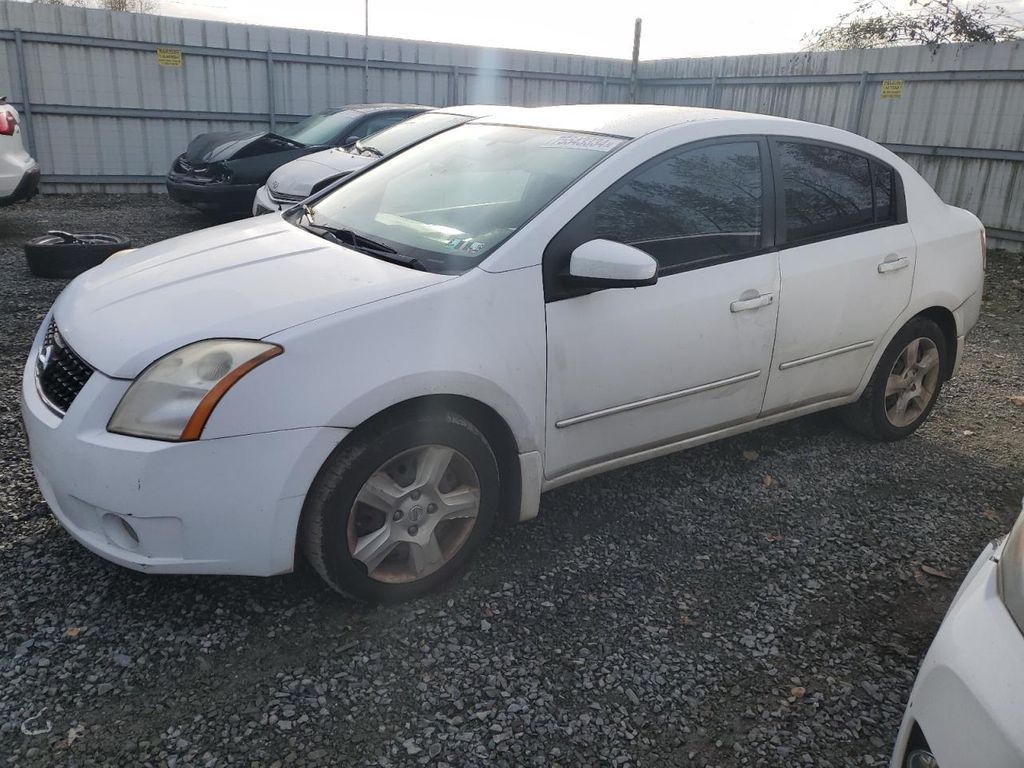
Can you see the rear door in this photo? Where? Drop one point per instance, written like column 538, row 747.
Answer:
column 847, row 263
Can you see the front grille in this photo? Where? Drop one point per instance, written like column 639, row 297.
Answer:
column 60, row 373
column 284, row 197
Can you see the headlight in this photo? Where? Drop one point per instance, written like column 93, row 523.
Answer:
column 173, row 398
column 1011, row 572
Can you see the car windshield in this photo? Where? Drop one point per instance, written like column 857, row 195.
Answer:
column 451, row 200
column 409, row 132
column 321, row 128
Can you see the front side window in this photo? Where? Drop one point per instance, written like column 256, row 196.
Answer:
column 825, row 190
column 690, row 208
column 452, row 199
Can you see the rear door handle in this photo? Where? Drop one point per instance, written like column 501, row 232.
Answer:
column 751, row 300
column 892, row 263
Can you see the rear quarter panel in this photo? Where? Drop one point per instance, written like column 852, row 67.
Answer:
column 949, row 269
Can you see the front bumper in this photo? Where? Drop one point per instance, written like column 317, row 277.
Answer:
column 226, row 505
column 205, row 195
column 26, row 188
column 967, row 699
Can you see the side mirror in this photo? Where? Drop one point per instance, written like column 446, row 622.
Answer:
column 607, row 264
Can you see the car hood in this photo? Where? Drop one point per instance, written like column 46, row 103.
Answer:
column 247, row 279
column 299, row 176
column 234, row 145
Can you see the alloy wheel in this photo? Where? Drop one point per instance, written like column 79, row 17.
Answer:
column 414, row 513
column 912, row 383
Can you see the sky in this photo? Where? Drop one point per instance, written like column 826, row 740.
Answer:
column 671, row 28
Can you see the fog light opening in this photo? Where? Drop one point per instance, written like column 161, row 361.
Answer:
column 120, row 532
column 922, row 758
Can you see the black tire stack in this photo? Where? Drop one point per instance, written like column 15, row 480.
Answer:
column 65, row 255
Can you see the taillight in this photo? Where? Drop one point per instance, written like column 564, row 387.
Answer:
column 8, row 123
column 984, row 250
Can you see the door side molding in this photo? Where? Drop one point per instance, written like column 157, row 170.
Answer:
column 825, row 355
column 573, row 420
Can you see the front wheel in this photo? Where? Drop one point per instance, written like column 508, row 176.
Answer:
column 905, row 385
column 395, row 514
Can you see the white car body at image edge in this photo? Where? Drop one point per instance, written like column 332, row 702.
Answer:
column 295, row 181
column 966, row 708
column 19, row 173
column 462, row 318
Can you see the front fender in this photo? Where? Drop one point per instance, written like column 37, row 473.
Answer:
column 480, row 336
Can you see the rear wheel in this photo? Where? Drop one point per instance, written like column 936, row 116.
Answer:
column 905, row 385
column 395, row 514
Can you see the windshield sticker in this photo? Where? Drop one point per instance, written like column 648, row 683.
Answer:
column 464, row 244
column 583, row 141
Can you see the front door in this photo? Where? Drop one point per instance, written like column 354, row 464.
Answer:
column 633, row 368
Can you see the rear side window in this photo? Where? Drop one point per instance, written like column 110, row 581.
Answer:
column 827, row 191
column 688, row 208
column 885, row 193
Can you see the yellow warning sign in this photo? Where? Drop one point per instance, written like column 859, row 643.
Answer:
column 171, row 57
column 892, row 89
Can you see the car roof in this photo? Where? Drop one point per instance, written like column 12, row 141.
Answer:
column 482, row 110
column 368, row 108
column 627, row 120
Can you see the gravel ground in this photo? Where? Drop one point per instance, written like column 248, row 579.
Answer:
column 713, row 608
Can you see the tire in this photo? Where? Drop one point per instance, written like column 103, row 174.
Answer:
column 875, row 414
column 63, row 255
column 336, row 522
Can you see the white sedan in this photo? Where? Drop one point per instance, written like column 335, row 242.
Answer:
column 967, row 706
column 379, row 377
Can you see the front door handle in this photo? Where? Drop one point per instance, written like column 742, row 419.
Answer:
column 892, row 263
column 751, row 299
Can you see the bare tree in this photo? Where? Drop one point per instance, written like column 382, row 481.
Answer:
column 873, row 24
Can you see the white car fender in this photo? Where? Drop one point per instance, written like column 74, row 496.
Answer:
column 434, row 356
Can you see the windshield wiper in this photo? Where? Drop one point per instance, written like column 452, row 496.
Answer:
column 350, row 238
column 370, row 150
column 363, row 244
column 370, row 247
column 353, row 239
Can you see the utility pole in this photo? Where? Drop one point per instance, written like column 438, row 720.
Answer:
column 634, row 90
column 366, row 52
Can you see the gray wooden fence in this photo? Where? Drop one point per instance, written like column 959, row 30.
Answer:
column 108, row 99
